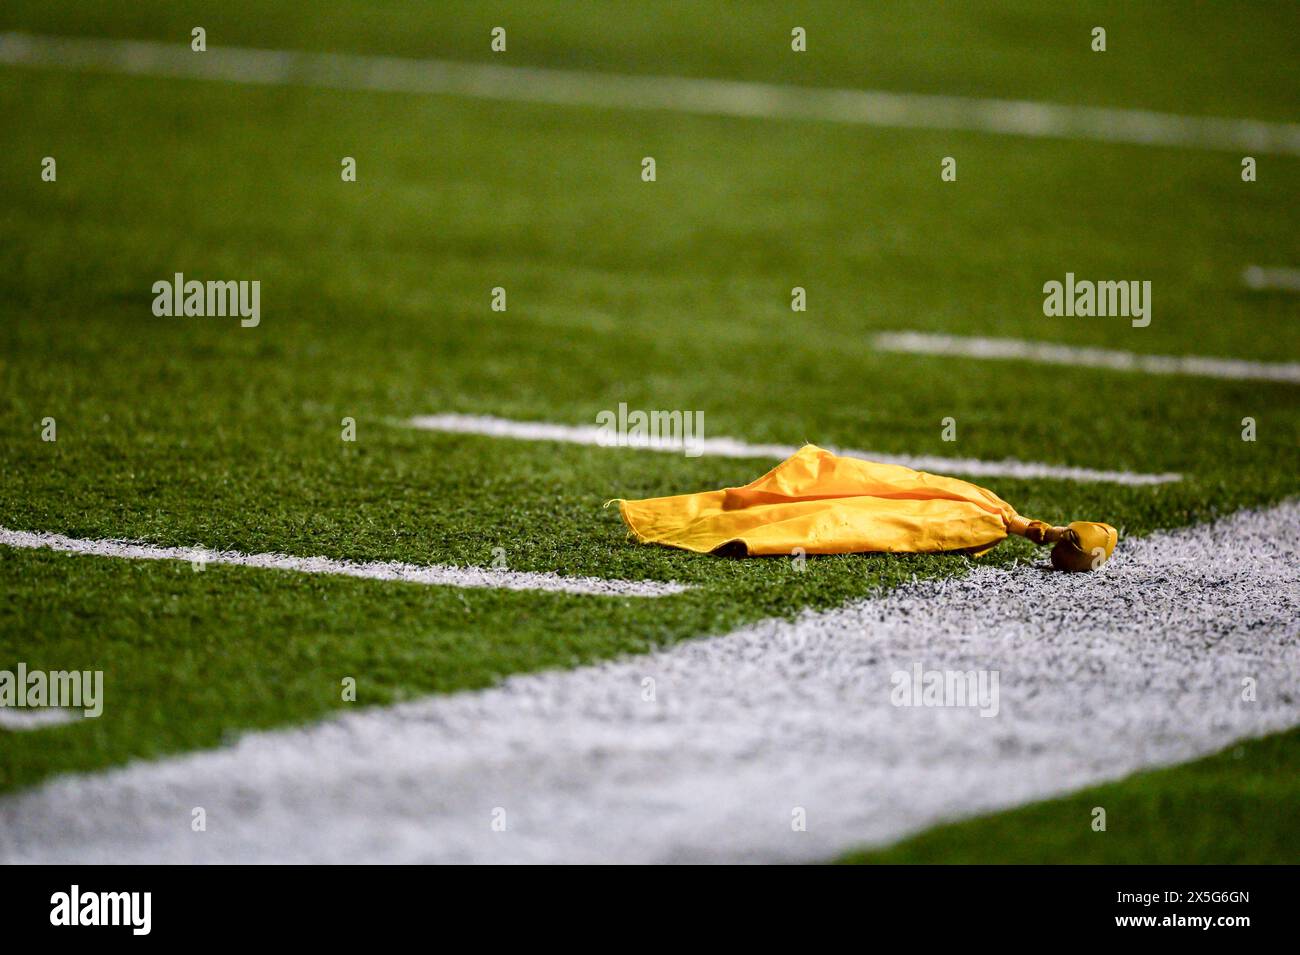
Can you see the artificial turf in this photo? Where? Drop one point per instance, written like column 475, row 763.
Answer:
column 671, row 295
column 1235, row 807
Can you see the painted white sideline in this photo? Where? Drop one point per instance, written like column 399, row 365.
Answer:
column 491, row 427
column 35, row 718
column 678, row 94
column 1136, row 666
column 438, row 575
column 1016, row 349
column 1274, row 278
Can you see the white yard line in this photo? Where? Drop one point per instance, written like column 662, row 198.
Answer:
column 35, row 718
column 437, row 575
column 676, row 94
column 1016, row 349
column 491, row 427
column 1271, row 278
column 1139, row 665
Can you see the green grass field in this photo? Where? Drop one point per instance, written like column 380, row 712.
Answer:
column 672, row 294
column 1236, row 807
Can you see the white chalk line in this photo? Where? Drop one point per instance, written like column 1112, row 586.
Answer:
column 676, row 94
column 1136, row 666
column 492, row 427
column 19, row 720
column 1016, row 349
column 437, row 575
column 1271, row 278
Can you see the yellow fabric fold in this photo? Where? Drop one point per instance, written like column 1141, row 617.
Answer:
column 828, row 504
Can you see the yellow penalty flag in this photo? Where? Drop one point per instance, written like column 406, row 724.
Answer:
column 828, row 504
